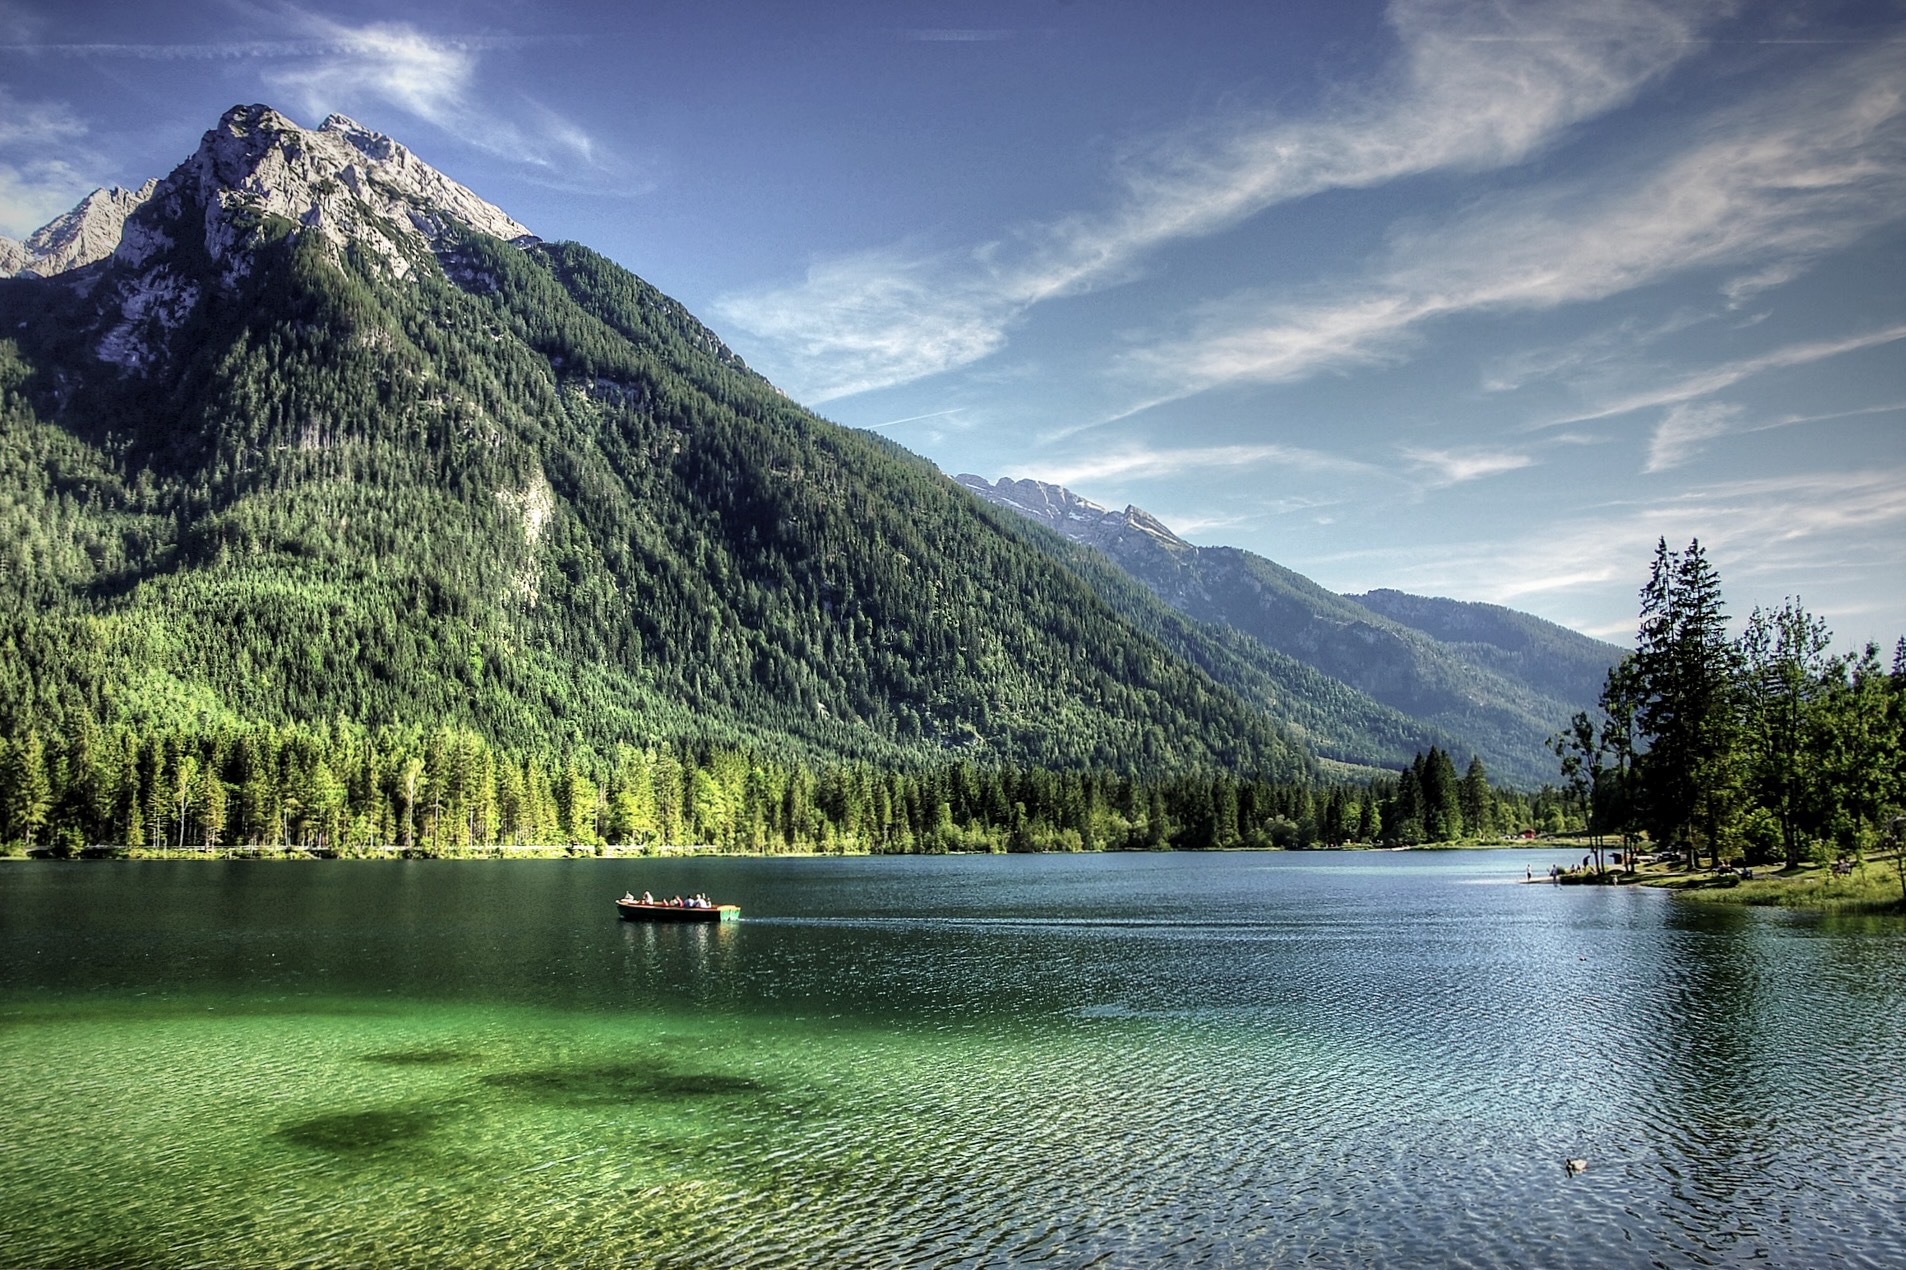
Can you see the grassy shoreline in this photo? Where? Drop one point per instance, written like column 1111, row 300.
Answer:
column 1873, row 886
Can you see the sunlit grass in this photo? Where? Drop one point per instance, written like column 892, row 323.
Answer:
column 1873, row 886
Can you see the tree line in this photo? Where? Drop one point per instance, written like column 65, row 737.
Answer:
column 341, row 788
column 1759, row 748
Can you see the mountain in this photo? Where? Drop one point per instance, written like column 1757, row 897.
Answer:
column 90, row 232
column 1471, row 678
column 1551, row 658
column 326, row 435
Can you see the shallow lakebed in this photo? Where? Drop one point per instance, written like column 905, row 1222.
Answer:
column 1227, row 1059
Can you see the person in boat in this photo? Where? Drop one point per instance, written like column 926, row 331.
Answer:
column 628, row 897
column 647, row 898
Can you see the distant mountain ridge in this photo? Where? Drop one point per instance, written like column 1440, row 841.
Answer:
column 1553, row 658
column 1481, row 678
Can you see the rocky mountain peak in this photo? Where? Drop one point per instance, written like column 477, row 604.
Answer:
column 1079, row 519
column 339, row 180
column 255, row 177
column 89, row 232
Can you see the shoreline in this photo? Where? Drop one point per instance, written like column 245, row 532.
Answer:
column 1871, row 886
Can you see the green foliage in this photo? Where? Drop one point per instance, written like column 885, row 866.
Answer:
column 1760, row 748
column 522, row 494
column 342, row 788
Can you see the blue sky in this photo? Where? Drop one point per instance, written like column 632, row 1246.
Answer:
column 1468, row 299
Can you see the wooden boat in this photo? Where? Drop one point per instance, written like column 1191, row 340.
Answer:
column 637, row 911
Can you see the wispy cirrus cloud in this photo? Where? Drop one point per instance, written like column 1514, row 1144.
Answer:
column 45, row 166
column 1687, row 427
column 958, row 35
column 1761, row 190
column 330, row 65
column 1685, row 430
column 1712, row 379
column 868, row 321
column 1147, row 463
column 432, row 77
column 1813, row 524
column 1474, row 87
column 1456, row 467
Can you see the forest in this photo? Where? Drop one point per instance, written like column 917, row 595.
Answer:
column 524, row 494
column 338, row 788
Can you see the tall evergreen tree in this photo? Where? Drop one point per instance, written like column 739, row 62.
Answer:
column 1684, row 669
column 1784, row 674
column 1477, row 806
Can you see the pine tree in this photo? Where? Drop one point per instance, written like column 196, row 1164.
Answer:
column 28, row 793
column 1477, row 806
column 1784, row 673
column 1684, row 670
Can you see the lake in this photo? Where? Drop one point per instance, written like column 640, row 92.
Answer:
column 1199, row 1060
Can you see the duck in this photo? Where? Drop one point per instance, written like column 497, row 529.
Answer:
column 1572, row 1167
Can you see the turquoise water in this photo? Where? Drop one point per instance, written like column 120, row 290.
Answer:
column 1348, row 1059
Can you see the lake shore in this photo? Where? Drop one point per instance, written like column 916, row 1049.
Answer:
column 1871, row 886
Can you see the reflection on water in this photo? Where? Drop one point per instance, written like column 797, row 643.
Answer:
column 1200, row 1060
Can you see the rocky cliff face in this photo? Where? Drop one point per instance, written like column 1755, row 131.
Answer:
column 339, row 180
column 254, row 178
column 90, row 232
column 1141, row 544
column 1079, row 519
column 258, row 170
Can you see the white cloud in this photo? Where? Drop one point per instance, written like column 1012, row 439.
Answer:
column 1684, row 431
column 1142, row 463
column 869, row 321
column 1477, row 86
column 1454, row 467
column 1784, row 532
column 32, row 195
column 1714, row 379
column 392, row 63
column 1788, row 421
column 434, row 78
column 1773, row 184
column 37, row 123
column 333, row 66
column 47, row 166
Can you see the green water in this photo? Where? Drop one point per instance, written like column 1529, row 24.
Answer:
column 1116, row 1060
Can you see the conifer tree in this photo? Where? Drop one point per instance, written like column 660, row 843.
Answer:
column 1477, row 806
column 1684, row 672
column 1784, row 668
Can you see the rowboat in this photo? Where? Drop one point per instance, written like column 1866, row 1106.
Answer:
column 637, row 911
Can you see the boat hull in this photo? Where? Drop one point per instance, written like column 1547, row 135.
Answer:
column 636, row 911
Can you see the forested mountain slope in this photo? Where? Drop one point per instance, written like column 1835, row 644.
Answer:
column 327, row 436
column 1498, row 685
column 1548, row 657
